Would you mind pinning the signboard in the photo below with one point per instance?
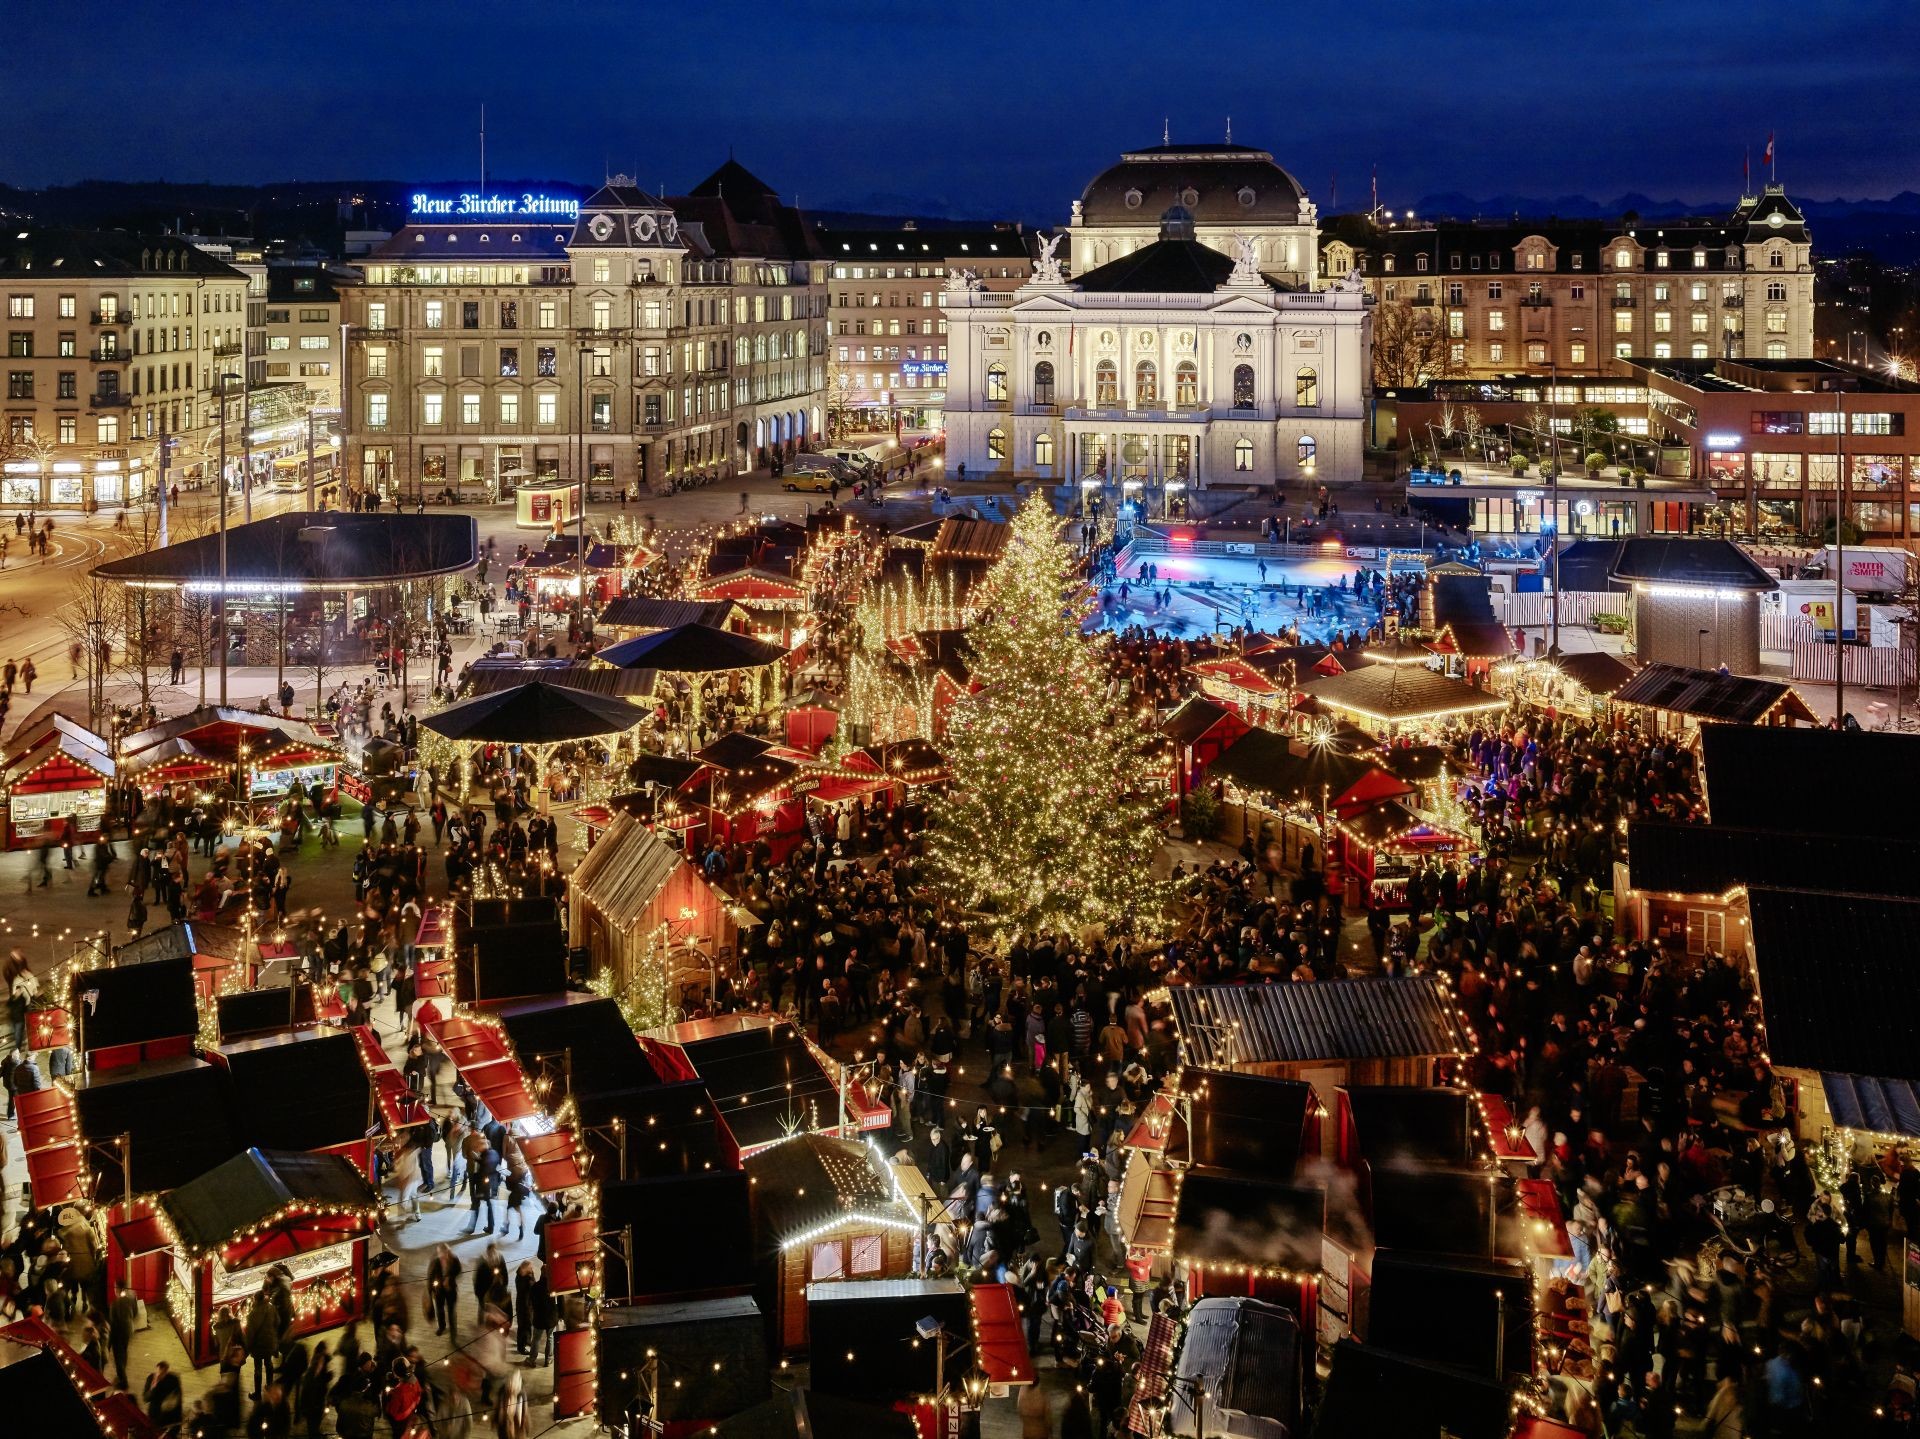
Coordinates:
(1819, 614)
(924, 368)
(473, 205)
(1237, 547)
(1362, 552)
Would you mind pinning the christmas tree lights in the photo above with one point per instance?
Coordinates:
(1050, 823)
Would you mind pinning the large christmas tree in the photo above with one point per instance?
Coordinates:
(1050, 822)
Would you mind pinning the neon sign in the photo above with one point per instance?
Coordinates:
(472, 205)
(931, 369)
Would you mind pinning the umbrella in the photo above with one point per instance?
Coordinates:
(535, 714)
(692, 649)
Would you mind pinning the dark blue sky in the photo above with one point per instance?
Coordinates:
(989, 107)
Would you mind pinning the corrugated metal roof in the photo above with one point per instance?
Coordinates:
(1880, 1106)
(1226, 1024)
(1710, 695)
(625, 870)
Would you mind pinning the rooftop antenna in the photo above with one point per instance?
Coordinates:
(483, 145)
(1229, 129)
(1166, 130)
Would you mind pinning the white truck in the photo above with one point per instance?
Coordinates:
(1870, 569)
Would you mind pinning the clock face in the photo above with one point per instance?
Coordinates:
(1776, 219)
(600, 227)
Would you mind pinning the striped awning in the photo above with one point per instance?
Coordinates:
(1880, 1106)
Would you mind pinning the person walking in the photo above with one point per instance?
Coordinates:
(443, 1293)
(483, 1170)
(490, 1272)
(120, 1321)
(163, 1396)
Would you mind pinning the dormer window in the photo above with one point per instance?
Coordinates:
(1623, 258)
(1699, 259)
(1246, 196)
(1133, 199)
(1420, 262)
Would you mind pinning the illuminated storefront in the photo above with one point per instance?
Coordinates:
(72, 484)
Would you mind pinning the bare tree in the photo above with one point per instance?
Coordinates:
(839, 399)
(1449, 421)
(1408, 347)
(91, 616)
(1472, 428)
(146, 623)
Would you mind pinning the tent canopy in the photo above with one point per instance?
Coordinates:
(535, 713)
(693, 649)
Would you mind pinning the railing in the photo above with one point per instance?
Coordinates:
(1421, 300)
(1535, 302)
(113, 317)
(118, 400)
(1733, 302)
(221, 352)
(108, 355)
(1624, 302)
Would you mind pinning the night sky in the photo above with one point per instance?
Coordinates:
(989, 108)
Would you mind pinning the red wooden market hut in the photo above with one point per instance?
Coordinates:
(1201, 731)
(57, 775)
(211, 747)
(637, 897)
(308, 1216)
(824, 1210)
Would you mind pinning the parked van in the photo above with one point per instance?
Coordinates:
(860, 458)
(818, 473)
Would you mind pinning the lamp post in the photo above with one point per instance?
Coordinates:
(220, 603)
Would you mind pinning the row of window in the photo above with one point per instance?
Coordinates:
(1814, 472)
(156, 307)
(1827, 422)
(1305, 450)
(1623, 259)
(108, 348)
(860, 353)
(1146, 385)
(651, 314)
(657, 406)
(893, 327)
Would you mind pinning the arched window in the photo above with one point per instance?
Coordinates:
(1146, 384)
(996, 444)
(1186, 383)
(996, 382)
(1243, 387)
(1042, 450)
(1106, 383)
(1304, 448)
(1043, 384)
(1243, 454)
(1306, 388)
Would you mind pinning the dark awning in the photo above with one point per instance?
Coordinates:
(535, 713)
(258, 1187)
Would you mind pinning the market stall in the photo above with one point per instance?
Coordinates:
(56, 776)
(767, 1081)
(546, 506)
(266, 1217)
(643, 911)
(1378, 848)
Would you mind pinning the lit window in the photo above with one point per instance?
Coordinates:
(436, 315)
(509, 408)
(376, 412)
(1243, 455)
(1042, 450)
(547, 409)
(1776, 349)
(1304, 450)
(1577, 352)
(432, 409)
(996, 382)
(469, 409)
(1306, 388)
(996, 444)
(1622, 258)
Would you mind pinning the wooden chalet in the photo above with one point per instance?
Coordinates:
(57, 775)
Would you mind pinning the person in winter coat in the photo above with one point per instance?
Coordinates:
(443, 1293)
(489, 1273)
(262, 1338)
(523, 1281)
(512, 1418)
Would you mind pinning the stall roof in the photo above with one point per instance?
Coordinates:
(216, 733)
(1227, 1218)
(1262, 762)
(1252, 1124)
(1595, 671)
(312, 550)
(967, 541)
(1401, 692)
(813, 1180)
(1488, 1304)
(1334, 1019)
(677, 1118)
(300, 1091)
(1465, 1210)
(863, 1330)
(1399, 1125)
(1849, 1017)
(692, 649)
(178, 1115)
(535, 713)
(51, 735)
(138, 1003)
(1712, 696)
(1678, 858)
(645, 612)
(625, 870)
(762, 1074)
(1373, 1393)
(1805, 770)
(1194, 719)
(691, 1233)
(488, 676)
(1673, 560)
(254, 1187)
(603, 1055)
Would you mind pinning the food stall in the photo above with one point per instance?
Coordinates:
(546, 506)
(306, 1216)
(1379, 847)
(57, 775)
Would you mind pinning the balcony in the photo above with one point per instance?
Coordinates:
(1624, 302)
(1422, 300)
(221, 352)
(1153, 415)
(109, 355)
(1536, 302)
(1733, 302)
(113, 317)
(118, 400)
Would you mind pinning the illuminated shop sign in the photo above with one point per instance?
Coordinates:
(930, 368)
(472, 205)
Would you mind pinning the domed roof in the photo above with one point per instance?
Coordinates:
(1218, 184)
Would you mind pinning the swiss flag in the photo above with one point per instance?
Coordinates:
(1768, 157)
